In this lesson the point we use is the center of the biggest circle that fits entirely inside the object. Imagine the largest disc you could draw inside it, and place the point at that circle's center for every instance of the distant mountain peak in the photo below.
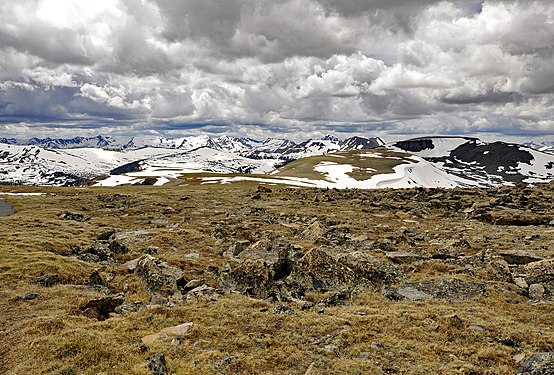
(330, 137)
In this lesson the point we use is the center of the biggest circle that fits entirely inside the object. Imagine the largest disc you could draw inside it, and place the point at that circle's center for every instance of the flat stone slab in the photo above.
(519, 257)
(6, 209)
(167, 334)
(413, 294)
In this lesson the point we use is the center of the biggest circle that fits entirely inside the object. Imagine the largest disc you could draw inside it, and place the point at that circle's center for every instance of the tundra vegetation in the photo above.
(246, 278)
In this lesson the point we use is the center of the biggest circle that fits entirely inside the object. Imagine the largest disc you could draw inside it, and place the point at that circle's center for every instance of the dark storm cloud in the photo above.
(261, 67)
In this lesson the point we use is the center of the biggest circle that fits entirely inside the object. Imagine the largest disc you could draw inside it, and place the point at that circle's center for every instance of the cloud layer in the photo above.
(261, 67)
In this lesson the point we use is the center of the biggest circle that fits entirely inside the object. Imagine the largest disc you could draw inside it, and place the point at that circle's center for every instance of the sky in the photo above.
(277, 68)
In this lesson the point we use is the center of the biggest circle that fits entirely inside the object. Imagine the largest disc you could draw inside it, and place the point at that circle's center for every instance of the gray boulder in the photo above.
(538, 364)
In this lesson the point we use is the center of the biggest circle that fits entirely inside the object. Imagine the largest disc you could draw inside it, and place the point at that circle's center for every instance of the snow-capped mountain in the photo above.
(8, 141)
(461, 161)
(489, 164)
(543, 146)
(361, 143)
(33, 165)
(270, 148)
(77, 142)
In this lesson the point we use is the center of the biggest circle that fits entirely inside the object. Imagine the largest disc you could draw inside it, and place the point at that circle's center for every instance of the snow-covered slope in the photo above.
(33, 165)
(202, 160)
(543, 146)
(371, 169)
(489, 164)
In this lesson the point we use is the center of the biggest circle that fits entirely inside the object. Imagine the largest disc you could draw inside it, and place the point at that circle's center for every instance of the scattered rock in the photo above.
(47, 281)
(536, 292)
(409, 293)
(476, 329)
(140, 347)
(519, 218)
(167, 334)
(518, 357)
(521, 283)
(538, 364)
(330, 336)
(157, 364)
(253, 277)
(519, 257)
(283, 309)
(315, 231)
(76, 216)
(27, 296)
(319, 271)
(102, 307)
(499, 270)
(96, 278)
(403, 257)
(377, 345)
(95, 253)
(159, 223)
(118, 247)
(370, 270)
(538, 272)
(447, 289)
(105, 236)
(131, 265)
(160, 278)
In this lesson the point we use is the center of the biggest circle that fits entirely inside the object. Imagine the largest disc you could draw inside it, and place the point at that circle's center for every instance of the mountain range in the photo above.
(356, 162)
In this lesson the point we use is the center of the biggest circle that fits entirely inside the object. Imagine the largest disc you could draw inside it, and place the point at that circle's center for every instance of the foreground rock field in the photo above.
(248, 279)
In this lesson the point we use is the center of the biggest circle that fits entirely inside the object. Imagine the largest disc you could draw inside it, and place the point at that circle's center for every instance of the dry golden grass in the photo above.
(236, 334)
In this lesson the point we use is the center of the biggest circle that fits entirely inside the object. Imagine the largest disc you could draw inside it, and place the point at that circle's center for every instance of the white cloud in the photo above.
(384, 66)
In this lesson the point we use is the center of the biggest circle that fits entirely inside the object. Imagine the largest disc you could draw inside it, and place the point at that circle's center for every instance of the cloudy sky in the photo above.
(295, 68)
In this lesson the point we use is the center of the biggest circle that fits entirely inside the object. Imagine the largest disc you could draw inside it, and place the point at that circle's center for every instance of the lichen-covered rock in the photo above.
(499, 270)
(252, 277)
(447, 289)
(159, 277)
(538, 272)
(157, 364)
(538, 364)
(403, 257)
(410, 293)
(167, 334)
(371, 271)
(319, 271)
(47, 281)
(518, 217)
(98, 252)
(519, 257)
(102, 307)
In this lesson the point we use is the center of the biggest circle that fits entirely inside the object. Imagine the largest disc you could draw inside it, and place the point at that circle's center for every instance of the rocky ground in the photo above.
(256, 279)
